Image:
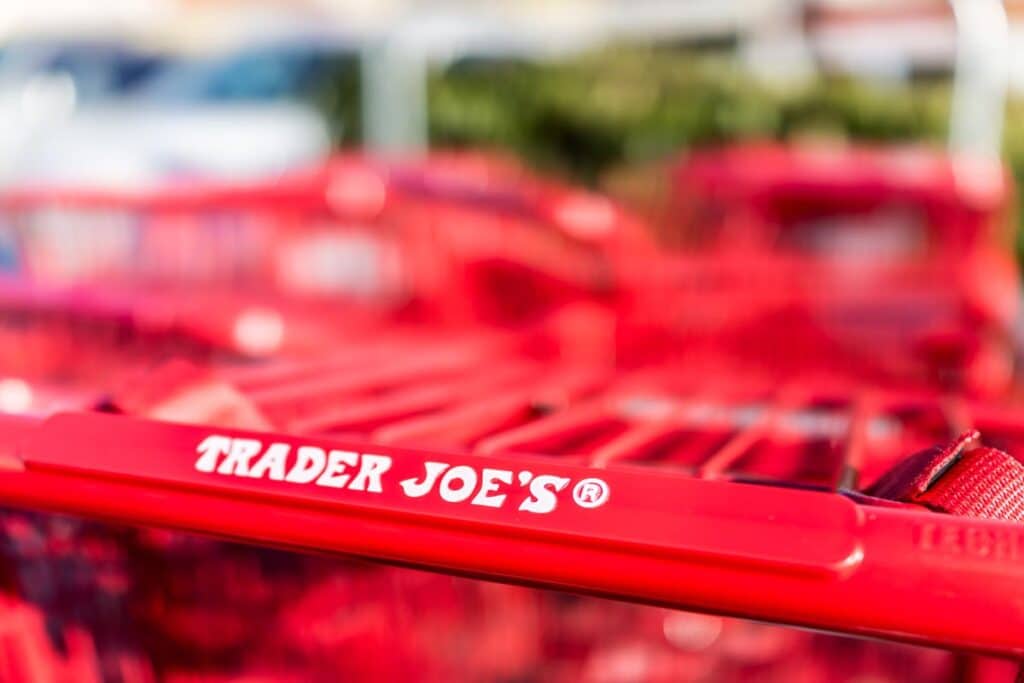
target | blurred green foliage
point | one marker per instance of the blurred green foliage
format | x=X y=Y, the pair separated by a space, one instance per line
x=585 y=116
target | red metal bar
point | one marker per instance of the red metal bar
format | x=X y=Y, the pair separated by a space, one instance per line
x=795 y=556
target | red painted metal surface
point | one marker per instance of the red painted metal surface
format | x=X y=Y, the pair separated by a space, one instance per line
x=805 y=557
x=687 y=429
x=897 y=262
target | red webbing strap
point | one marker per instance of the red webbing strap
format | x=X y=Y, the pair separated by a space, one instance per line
x=962 y=478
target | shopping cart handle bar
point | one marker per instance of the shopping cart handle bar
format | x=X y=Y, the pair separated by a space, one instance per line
x=779 y=554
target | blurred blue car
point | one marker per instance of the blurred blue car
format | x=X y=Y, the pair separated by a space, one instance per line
x=96 y=69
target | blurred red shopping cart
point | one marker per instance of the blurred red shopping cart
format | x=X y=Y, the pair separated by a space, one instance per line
x=893 y=262
x=573 y=440
x=431 y=232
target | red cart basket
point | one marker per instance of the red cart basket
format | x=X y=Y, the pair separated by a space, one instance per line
x=897 y=261
x=548 y=442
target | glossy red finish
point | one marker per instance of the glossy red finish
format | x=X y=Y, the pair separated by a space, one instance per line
x=729 y=401
x=442 y=231
x=804 y=557
x=897 y=261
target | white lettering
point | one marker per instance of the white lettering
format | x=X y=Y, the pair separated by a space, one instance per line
x=456 y=494
x=272 y=461
x=371 y=469
x=237 y=462
x=340 y=469
x=542 y=493
x=309 y=463
x=211 y=448
x=415 y=489
x=489 y=483
x=334 y=475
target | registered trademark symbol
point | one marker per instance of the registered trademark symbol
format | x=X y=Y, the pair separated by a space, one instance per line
x=590 y=492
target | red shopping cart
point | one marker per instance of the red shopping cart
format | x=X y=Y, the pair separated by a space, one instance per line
x=427 y=233
x=519 y=451
x=289 y=266
x=891 y=262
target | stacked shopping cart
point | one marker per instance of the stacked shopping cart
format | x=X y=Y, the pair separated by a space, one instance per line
x=450 y=364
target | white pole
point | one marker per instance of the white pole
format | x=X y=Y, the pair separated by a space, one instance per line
x=981 y=78
x=394 y=95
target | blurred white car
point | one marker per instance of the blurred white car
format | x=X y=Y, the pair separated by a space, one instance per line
x=244 y=115
x=43 y=82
